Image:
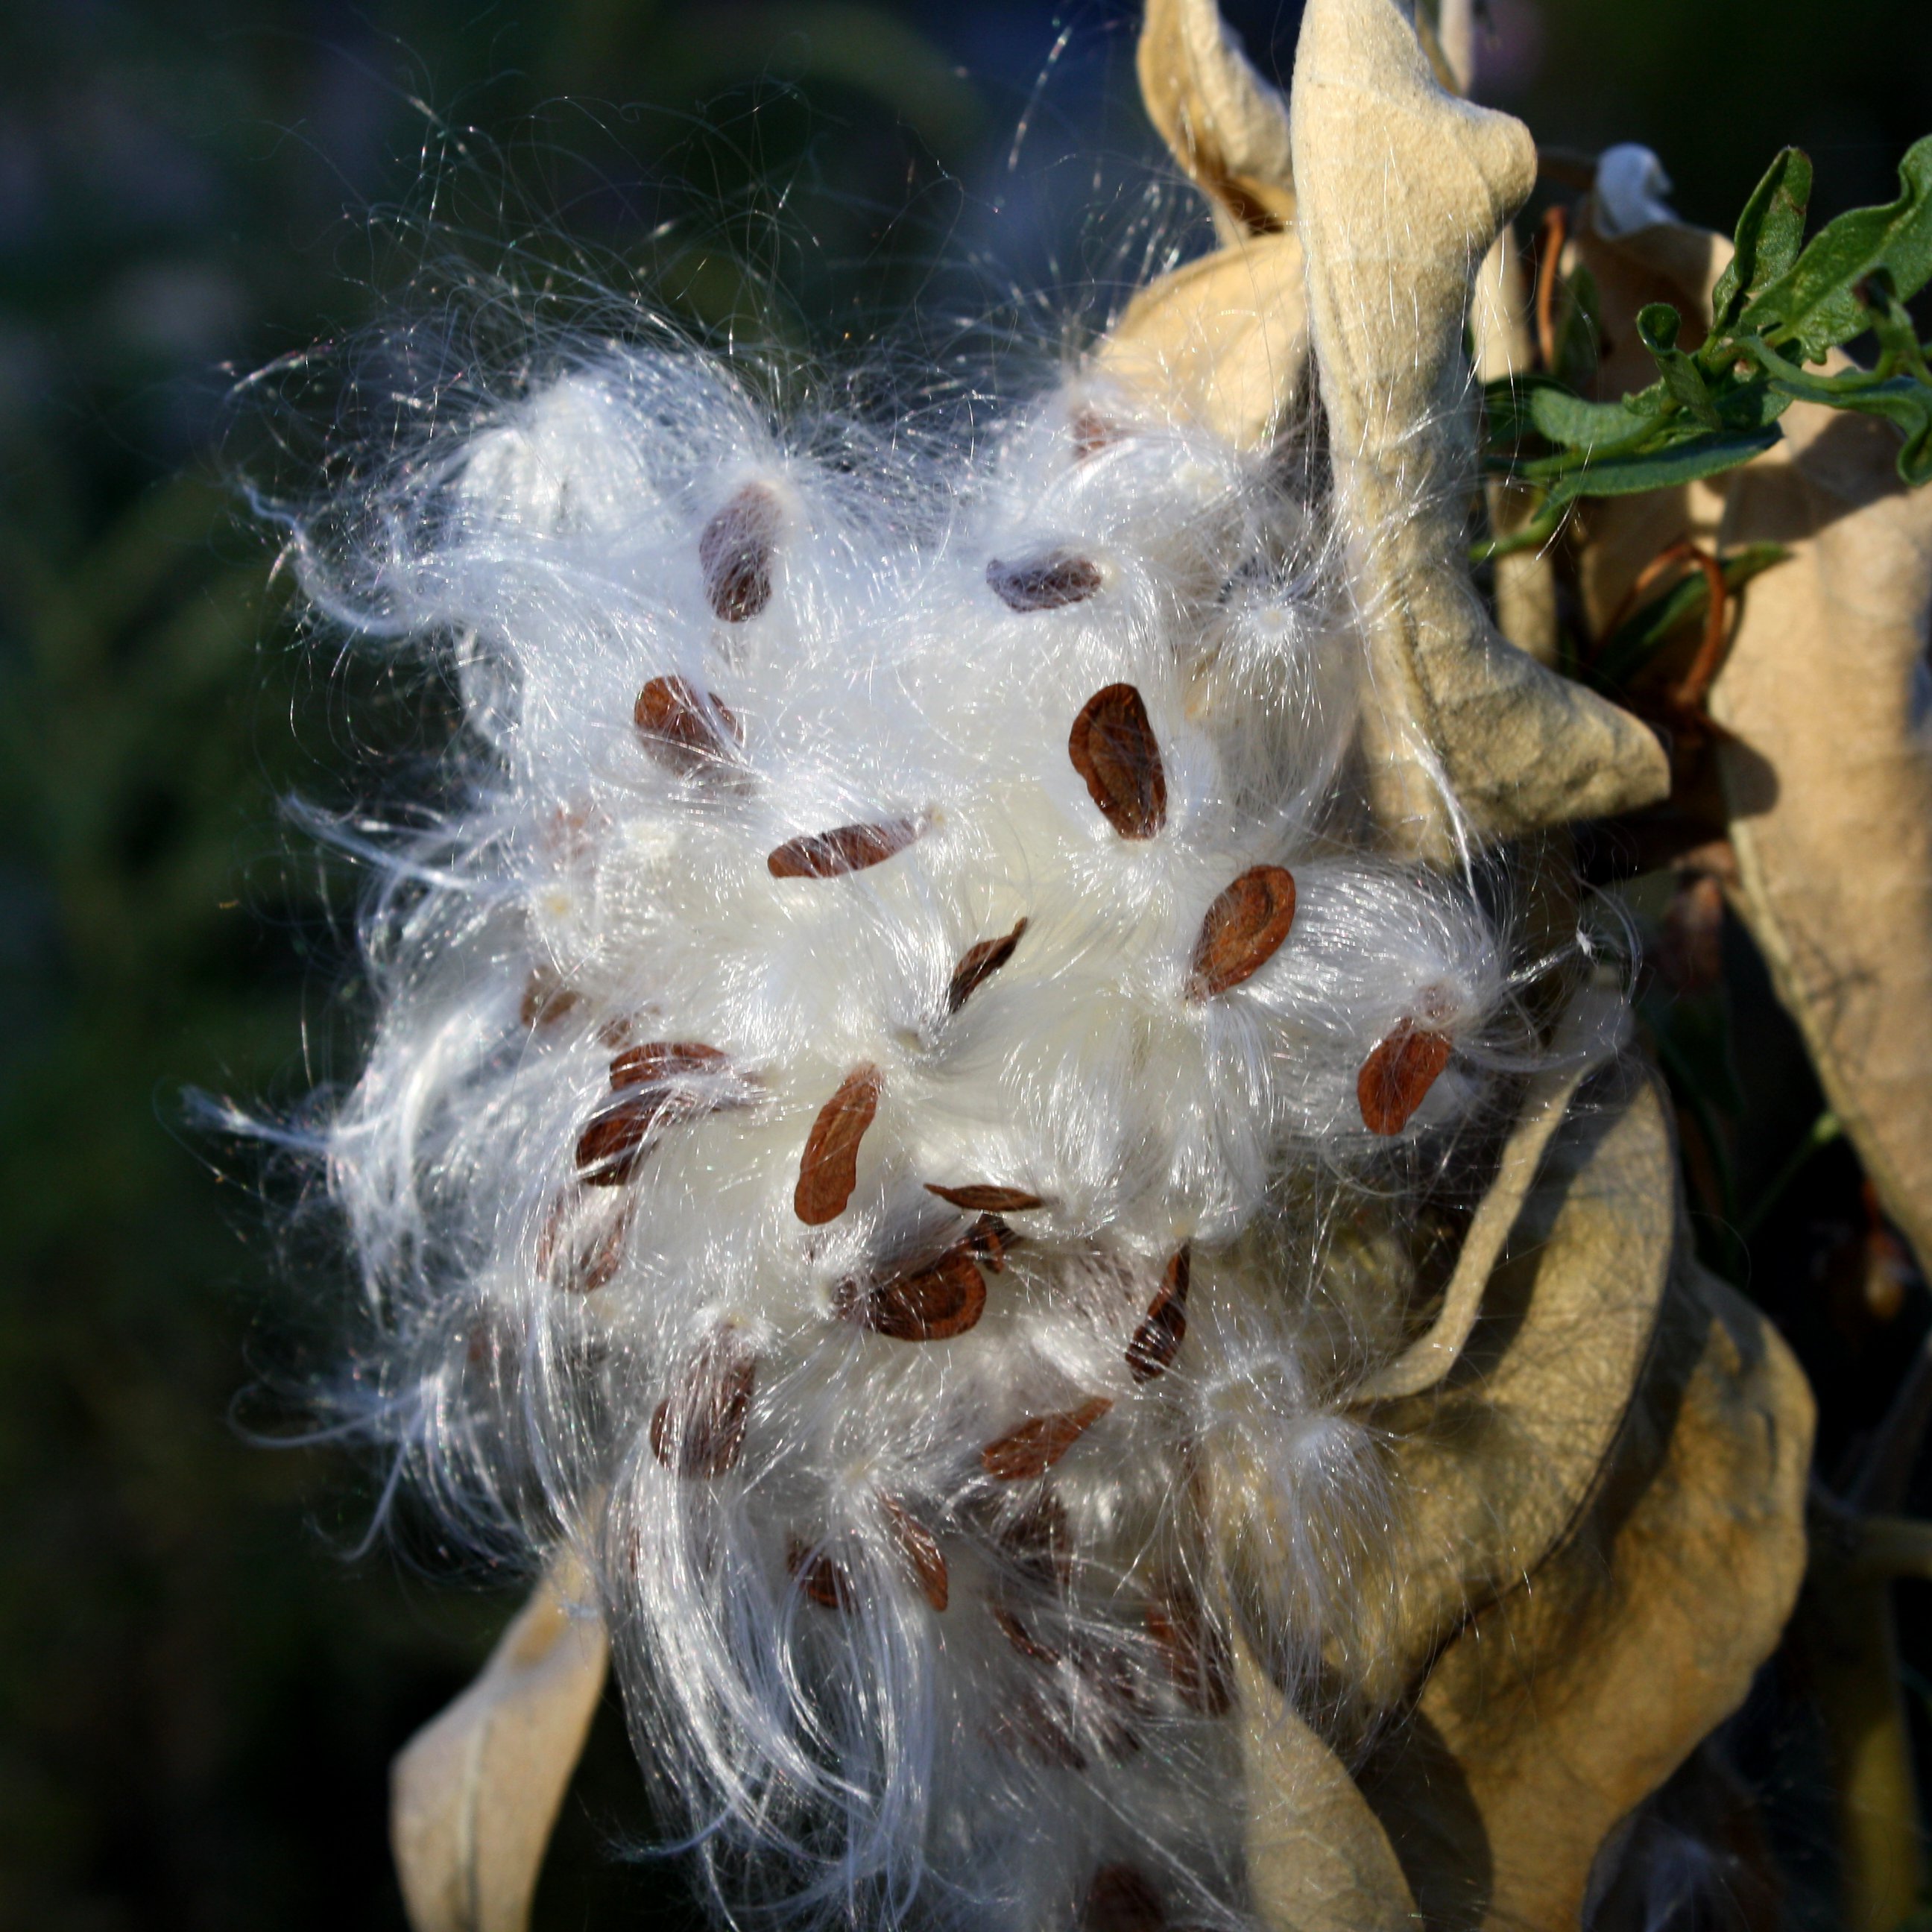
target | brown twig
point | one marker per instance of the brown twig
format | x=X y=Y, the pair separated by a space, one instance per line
x=1549 y=241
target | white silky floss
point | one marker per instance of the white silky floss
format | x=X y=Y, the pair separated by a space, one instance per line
x=878 y=1071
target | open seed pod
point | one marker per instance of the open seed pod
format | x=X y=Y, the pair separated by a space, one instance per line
x=1336 y=1577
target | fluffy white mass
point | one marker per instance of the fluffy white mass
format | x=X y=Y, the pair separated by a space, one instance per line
x=891 y=1072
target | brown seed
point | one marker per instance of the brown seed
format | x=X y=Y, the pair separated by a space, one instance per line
x=978 y=963
x=827 y=1584
x=586 y=1266
x=1090 y=433
x=1121 y=1899
x=616 y=1139
x=1157 y=1340
x=1243 y=931
x=683 y=725
x=699 y=1429
x=987 y=1199
x=546 y=998
x=1195 y=1653
x=735 y=552
x=659 y=1060
x=1036 y=1445
x=846 y=848
x=1038 y=1542
x=1113 y=748
x=990 y=1238
x=920 y=1548
x=1396 y=1078
x=828 y=1170
x=1033 y=1730
x=931 y=1303
x=1022 y=1639
x=1043 y=582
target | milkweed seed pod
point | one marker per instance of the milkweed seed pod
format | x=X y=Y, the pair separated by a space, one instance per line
x=989 y=1113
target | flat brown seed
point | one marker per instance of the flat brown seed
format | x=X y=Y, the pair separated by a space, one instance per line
x=1243 y=931
x=827 y=1583
x=699 y=1429
x=1090 y=433
x=1396 y=1078
x=990 y=1238
x=987 y=1199
x=683 y=725
x=846 y=848
x=1113 y=748
x=1038 y=1542
x=1195 y=1653
x=615 y=1139
x=735 y=551
x=978 y=963
x=920 y=1548
x=1022 y=1639
x=828 y=1170
x=546 y=998
x=1036 y=1445
x=1043 y=582
x=932 y=1303
x=1122 y=1899
x=657 y=1060
x=1032 y=1730
x=1157 y=1340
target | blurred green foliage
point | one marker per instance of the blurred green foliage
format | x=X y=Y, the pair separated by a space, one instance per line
x=198 y=1695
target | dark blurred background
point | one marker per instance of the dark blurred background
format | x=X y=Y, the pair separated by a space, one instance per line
x=200 y=1688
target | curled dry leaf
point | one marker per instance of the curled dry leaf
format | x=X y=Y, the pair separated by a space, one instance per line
x=1826 y=773
x=828 y=1170
x=683 y=725
x=735 y=550
x=1036 y=1445
x=1113 y=747
x=1243 y=931
x=978 y=963
x=920 y=1548
x=1043 y=582
x=1562 y=1705
x=1319 y=1858
x=846 y=848
x=1401 y=190
x=474 y=1794
x=986 y=1199
x=1396 y=1078
x=928 y=1301
x=698 y=1429
x=1157 y=1340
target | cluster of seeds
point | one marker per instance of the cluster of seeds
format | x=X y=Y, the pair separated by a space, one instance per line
x=911 y=935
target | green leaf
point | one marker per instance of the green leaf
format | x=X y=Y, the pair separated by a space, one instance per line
x=1648 y=628
x=1657 y=324
x=1768 y=234
x=1577 y=424
x=1817 y=301
x=1667 y=469
x=1903 y=401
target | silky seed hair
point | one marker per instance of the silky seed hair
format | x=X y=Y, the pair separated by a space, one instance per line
x=901 y=1099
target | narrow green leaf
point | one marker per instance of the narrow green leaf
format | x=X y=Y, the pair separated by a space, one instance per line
x=1903 y=401
x=1769 y=232
x=1817 y=300
x=1657 y=324
x=1577 y=424
x=1666 y=469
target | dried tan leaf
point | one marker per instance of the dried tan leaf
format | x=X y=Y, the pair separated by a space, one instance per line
x=1560 y=1707
x=1319 y=1858
x=1221 y=122
x=1222 y=342
x=1402 y=190
x=1590 y=1029
x=475 y=1793
x=1827 y=773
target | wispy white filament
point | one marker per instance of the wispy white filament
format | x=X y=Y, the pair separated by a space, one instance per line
x=792 y=1410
